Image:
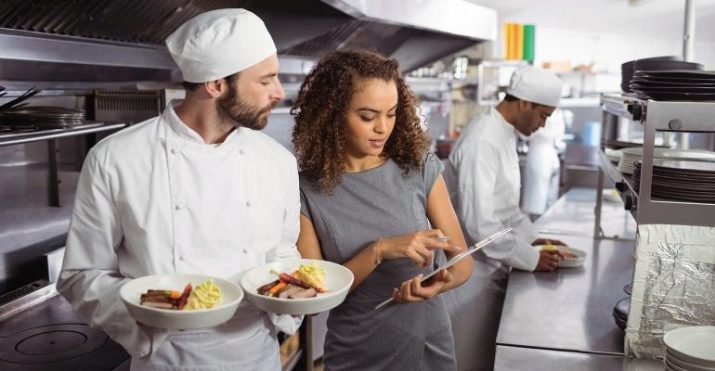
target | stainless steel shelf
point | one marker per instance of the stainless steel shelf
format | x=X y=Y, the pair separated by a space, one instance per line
x=608 y=168
x=665 y=115
x=625 y=185
x=655 y=116
x=50 y=136
x=620 y=105
x=10 y=139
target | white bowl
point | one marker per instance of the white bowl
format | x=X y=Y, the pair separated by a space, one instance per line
x=569 y=262
x=338 y=280
x=179 y=319
x=692 y=344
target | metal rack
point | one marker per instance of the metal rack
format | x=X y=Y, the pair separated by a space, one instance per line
x=654 y=116
x=51 y=136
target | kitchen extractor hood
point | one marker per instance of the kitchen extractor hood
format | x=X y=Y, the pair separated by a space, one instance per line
x=122 y=40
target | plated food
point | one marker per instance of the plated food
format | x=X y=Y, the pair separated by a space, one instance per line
x=205 y=296
x=306 y=282
x=302 y=286
x=203 y=302
x=573 y=258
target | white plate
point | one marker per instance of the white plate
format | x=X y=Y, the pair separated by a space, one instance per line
x=338 y=280
x=179 y=319
x=569 y=262
x=669 y=365
x=692 y=344
x=614 y=155
x=677 y=362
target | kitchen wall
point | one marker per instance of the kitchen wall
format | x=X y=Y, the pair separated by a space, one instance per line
x=610 y=49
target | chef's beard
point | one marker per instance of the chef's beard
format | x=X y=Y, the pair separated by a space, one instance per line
x=243 y=114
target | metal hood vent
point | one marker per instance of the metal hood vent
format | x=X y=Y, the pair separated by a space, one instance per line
x=415 y=32
x=122 y=40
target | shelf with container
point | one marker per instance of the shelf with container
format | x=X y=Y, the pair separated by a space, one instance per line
x=654 y=116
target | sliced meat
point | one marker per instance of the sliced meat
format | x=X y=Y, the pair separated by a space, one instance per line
x=304 y=293
x=154 y=298
x=160 y=305
x=288 y=291
x=263 y=290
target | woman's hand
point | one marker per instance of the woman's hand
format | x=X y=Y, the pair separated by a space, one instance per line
x=416 y=246
x=413 y=291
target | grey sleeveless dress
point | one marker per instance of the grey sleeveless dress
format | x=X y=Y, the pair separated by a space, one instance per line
x=380 y=202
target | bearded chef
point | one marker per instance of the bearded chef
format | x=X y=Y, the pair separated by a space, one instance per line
x=482 y=175
x=198 y=189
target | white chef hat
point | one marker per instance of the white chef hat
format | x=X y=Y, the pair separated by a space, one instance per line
x=219 y=43
x=535 y=85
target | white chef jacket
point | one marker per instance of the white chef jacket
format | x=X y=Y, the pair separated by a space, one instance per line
x=155 y=199
x=541 y=171
x=484 y=182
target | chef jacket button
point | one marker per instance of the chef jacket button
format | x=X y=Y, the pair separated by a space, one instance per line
x=240 y=151
x=245 y=251
x=248 y=203
x=173 y=151
x=179 y=206
x=182 y=257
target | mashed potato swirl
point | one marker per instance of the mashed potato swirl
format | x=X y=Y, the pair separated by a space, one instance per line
x=204 y=296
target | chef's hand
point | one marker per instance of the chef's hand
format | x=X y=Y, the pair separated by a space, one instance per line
x=413 y=291
x=548 y=260
x=416 y=246
x=547 y=241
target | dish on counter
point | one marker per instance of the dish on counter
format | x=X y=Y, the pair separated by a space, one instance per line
x=573 y=258
x=330 y=282
x=204 y=302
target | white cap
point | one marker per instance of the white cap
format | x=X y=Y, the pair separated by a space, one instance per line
x=219 y=43
x=535 y=85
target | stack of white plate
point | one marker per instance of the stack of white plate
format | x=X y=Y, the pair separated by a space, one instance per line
x=690 y=348
x=614 y=155
x=631 y=155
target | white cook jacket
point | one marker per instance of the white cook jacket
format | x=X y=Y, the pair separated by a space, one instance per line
x=541 y=171
x=154 y=198
x=483 y=178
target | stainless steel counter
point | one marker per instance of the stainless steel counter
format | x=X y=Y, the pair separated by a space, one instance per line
x=516 y=358
x=563 y=319
x=573 y=214
x=570 y=309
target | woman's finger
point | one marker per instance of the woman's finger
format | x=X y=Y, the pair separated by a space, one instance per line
x=426 y=254
x=406 y=291
x=417 y=258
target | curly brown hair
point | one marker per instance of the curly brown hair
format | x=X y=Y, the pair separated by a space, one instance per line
x=320 y=113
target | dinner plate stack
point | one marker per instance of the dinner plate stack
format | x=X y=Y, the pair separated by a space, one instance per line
x=42 y=117
x=690 y=348
x=681 y=180
x=620 y=312
x=614 y=155
x=674 y=85
x=632 y=155
x=630 y=70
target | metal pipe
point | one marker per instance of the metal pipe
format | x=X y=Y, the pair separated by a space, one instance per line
x=688 y=53
x=689 y=31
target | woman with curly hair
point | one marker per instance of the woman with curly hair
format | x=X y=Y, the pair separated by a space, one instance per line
x=374 y=200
